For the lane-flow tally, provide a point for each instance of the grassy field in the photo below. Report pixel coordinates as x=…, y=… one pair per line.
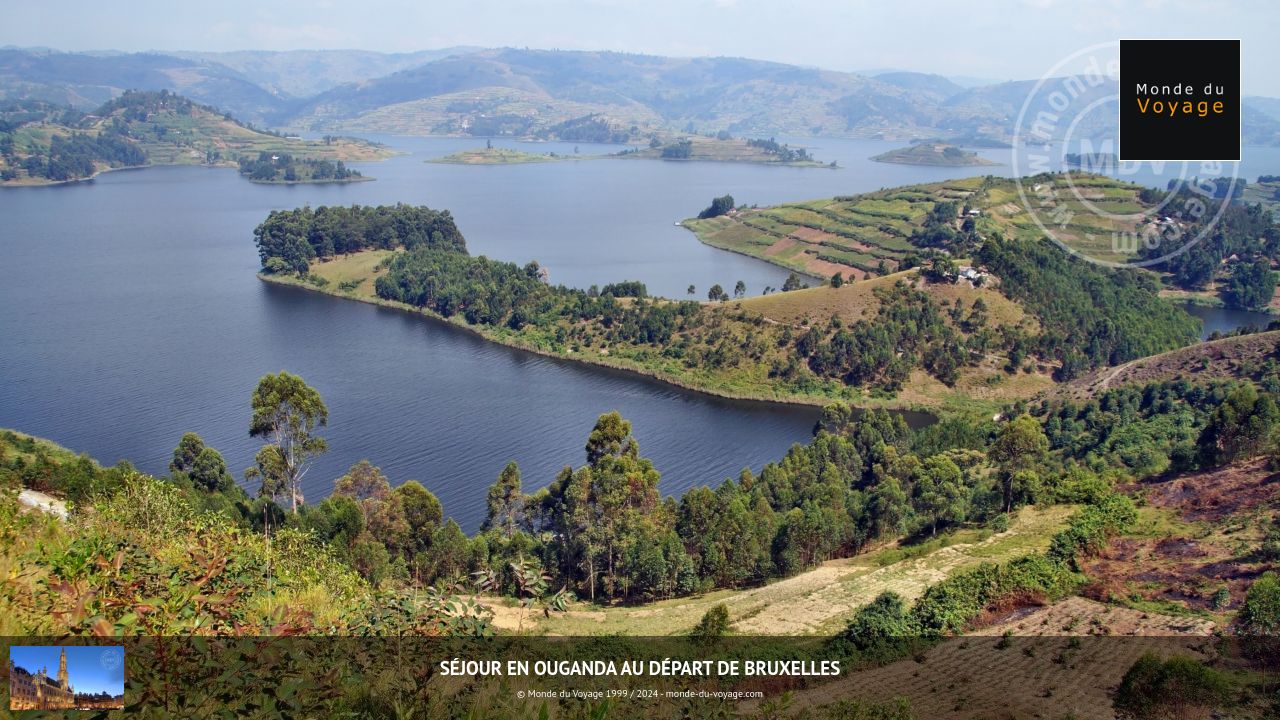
x=855, y=235
x=819, y=601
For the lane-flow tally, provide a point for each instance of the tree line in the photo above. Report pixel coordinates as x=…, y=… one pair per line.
x=288, y=240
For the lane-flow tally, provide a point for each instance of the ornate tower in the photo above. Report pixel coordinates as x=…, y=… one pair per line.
x=63, y=682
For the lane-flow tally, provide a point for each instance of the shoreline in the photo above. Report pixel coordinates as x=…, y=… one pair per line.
x=605, y=361
x=362, y=178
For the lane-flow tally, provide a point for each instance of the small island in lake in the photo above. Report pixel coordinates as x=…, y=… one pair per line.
x=931, y=153
x=497, y=156
x=282, y=169
x=723, y=148
x=1091, y=161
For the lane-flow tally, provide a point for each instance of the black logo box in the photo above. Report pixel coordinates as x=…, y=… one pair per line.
x=1185, y=65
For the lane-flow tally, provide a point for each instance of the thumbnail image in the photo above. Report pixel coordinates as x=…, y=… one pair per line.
x=88, y=677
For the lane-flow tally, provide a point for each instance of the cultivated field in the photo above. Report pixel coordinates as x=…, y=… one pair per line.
x=866, y=234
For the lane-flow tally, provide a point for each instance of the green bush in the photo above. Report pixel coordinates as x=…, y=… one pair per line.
x=1089, y=529
x=1155, y=689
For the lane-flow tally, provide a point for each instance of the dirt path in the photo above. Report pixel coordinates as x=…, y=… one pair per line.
x=37, y=500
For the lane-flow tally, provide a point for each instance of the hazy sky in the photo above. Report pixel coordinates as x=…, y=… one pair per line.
x=998, y=39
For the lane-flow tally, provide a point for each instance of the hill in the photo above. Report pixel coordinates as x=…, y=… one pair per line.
x=86, y=81
x=303, y=73
x=930, y=153
x=1242, y=356
x=526, y=93
x=42, y=143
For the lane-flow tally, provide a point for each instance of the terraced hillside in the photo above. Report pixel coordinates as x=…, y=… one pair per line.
x=862, y=235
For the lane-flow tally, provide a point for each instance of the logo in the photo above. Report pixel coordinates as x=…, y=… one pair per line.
x=112, y=658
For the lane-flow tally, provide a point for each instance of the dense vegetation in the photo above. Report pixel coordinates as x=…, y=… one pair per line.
x=272, y=167
x=289, y=239
x=784, y=153
x=1089, y=316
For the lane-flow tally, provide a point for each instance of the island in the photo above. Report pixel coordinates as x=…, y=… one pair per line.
x=491, y=155
x=44, y=143
x=930, y=153
x=724, y=148
x=285, y=169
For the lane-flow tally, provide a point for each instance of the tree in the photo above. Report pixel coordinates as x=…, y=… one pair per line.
x=940, y=491
x=287, y=412
x=713, y=625
x=1242, y=425
x=1251, y=285
x=185, y=454
x=363, y=482
x=837, y=279
x=1019, y=445
x=384, y=514
x=601, y=511
x=422, y=510
x=719, y=206
x=739, y=289
x=793, y=282
x=209, y=472
x=693, y=290
x=505, y=501
x=717, y=293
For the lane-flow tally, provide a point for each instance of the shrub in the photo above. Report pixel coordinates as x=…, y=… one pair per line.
x=713, y=625
x=1173, y=688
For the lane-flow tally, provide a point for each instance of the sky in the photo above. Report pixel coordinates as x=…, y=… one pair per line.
x=994, y=39
x=87, y=670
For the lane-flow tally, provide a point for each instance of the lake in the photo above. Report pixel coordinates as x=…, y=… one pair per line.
x=130, y=314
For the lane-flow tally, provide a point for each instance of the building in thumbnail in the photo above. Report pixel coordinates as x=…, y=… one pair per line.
x=38, y=691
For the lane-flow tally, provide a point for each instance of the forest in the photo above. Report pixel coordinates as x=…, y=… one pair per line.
x=288, y=240
x=1236, y=248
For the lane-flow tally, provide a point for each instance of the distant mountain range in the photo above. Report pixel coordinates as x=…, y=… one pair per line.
x=531, y=93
